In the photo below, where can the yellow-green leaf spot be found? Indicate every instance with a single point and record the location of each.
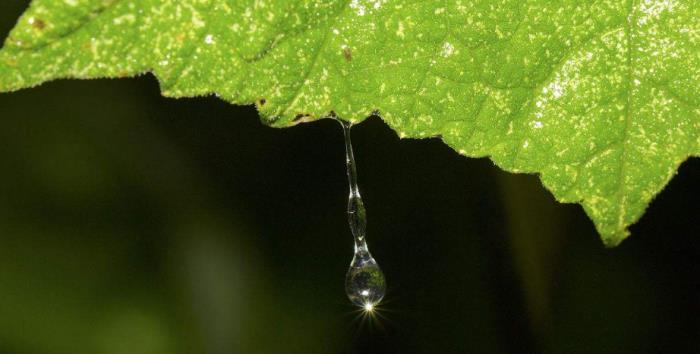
(598, 97)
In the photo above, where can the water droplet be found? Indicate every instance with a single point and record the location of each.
(364, 282)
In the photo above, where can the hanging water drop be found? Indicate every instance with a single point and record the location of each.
(364, 283)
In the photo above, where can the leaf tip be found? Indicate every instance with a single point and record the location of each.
(614, 240)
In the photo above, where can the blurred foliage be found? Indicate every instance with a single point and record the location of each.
(131, 223)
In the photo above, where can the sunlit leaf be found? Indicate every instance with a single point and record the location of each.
(598, 97)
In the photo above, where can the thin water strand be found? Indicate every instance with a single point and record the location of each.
(364, 282)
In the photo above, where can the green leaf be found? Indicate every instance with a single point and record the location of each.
(598, 97)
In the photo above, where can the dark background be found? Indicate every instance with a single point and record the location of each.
(132, 223)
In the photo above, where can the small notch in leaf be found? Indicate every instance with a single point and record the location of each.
(301, 117)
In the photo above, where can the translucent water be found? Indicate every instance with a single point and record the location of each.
(364, 283)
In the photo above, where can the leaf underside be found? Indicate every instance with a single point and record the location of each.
(600, 98)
